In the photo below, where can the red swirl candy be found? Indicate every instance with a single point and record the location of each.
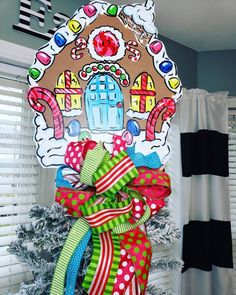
(106, 44)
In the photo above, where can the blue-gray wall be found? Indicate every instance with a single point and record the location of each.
(184, 57)
(186, 60)
(211, 70)
(217, 70)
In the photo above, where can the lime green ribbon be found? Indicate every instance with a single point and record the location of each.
(76, 234)
(93, 159)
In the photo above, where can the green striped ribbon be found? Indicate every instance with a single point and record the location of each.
(121, 182)
(94, 263)
(122, 218)
(115, 264)
(124, 227)
(93, 159)
(75, 236)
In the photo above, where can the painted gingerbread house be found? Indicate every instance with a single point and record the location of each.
(104, 72)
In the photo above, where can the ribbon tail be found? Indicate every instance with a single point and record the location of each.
(139, 248)
(76, 234)
(74, 264)
(102, 270)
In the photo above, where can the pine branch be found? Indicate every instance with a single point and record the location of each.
(162, 229)
(38, 287)
(153, 290)
(166, 264)
(48, 230)
(31, 259)
(39, 245)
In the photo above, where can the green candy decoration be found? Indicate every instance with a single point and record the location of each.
(34, 73)
(84, 135)
(88, 70)
(112, 10)
(113, 68)
(122, 76)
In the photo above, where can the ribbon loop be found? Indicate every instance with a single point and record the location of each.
(114, 175)
(104, 217)
(119, 199)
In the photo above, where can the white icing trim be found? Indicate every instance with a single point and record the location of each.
(137, 115)
(157, 60)
(72, 113)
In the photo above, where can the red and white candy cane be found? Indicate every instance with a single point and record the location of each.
(81, 44)
(170, 106)
(137, 55)
(38, 93)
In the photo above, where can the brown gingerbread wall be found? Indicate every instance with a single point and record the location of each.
(63, 61)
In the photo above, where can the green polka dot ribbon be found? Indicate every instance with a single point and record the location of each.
(72, 199)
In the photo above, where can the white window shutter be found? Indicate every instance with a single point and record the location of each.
(19, 176)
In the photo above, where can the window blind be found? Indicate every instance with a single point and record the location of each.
(232, 188)
(19, 176)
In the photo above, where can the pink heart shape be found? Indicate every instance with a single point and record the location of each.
(156, 46)
(90, 10)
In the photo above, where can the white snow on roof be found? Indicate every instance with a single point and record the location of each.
(143, 15)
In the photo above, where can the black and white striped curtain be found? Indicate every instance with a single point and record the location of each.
(207, 242)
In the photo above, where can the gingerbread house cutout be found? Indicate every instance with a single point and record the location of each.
(104, 72)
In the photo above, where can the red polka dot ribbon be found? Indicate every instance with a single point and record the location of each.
(76, 152)
(72, 199)
(139, 249)
(119, 145)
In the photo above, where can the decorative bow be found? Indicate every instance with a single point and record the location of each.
(118, 200)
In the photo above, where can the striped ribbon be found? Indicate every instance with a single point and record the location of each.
(104, 264)
(103, 217)
(74, 265)
(75, 236)
(114, 174)
(92, 161)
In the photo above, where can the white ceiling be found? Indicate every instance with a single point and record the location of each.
(198, 24)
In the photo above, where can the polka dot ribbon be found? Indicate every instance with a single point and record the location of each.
(76, 151)
(118, 201)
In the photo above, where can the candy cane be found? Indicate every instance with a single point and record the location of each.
(166, 102)
(38, 93)
(81, 44)
(137, 55)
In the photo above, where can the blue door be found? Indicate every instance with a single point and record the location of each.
(104, 104)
